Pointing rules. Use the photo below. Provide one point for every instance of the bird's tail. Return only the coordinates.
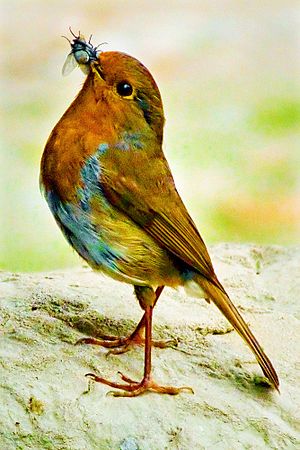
(225, 305)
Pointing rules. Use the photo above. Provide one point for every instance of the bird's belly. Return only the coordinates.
(112, 243)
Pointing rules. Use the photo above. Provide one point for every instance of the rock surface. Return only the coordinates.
(47, 403)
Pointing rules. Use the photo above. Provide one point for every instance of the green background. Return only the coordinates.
(228, 72)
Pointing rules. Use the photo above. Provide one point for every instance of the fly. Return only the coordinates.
(82, 54)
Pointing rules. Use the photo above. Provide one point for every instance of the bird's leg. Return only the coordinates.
(131, 388)
(123, 344)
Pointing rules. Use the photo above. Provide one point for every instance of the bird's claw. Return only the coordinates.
(118, 346)
(133, 388)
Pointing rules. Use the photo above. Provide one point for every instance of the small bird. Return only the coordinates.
(109, 186)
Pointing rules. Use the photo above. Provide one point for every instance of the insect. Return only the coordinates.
(82, 53)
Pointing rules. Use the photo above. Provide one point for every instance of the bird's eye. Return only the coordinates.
(124, 89)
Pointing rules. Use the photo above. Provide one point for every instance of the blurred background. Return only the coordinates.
(228, 72)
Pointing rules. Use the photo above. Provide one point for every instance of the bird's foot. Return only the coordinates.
(133, 388)
(123, 345)
(130, 343)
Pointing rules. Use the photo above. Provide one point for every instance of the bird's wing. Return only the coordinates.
(145, 191)
(150, 199)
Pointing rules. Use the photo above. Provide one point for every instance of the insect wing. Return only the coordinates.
(69, 65)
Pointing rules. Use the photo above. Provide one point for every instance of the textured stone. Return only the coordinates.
(47, 403)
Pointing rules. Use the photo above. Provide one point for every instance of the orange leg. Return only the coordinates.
(133, 388)
(123, 344)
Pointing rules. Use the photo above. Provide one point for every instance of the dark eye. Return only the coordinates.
(124, 89)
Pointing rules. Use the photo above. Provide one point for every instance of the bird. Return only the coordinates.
(110, 189)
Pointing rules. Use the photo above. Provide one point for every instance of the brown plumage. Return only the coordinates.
(111, 191)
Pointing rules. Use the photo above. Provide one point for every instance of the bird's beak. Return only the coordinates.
(96, 68)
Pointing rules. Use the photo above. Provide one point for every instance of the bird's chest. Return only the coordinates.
(83, 215)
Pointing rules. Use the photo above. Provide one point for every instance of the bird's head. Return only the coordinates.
(121, 84)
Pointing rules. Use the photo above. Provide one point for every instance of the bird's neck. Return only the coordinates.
(100, 113)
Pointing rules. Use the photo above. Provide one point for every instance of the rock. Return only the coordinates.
(48, 403)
